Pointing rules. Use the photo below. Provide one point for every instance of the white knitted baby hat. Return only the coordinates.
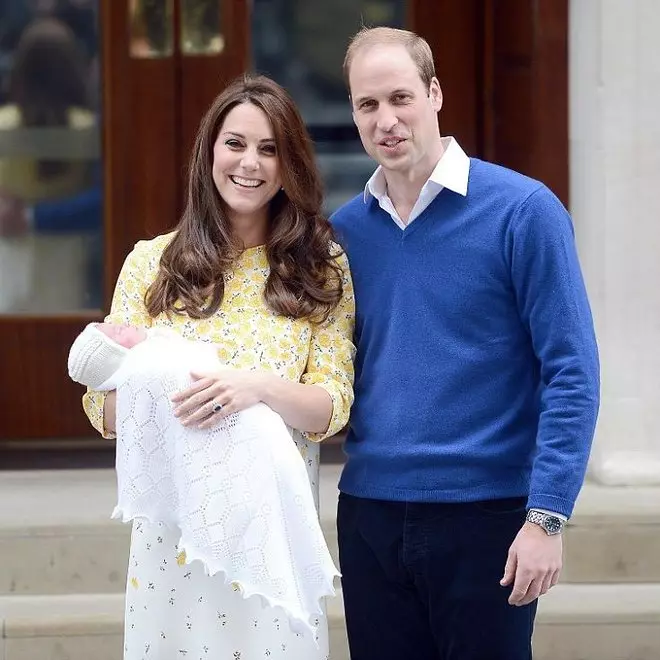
(94, 357)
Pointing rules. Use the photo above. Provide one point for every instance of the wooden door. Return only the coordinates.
(156, 76)
(159, 63)
(503, 68)
(525, 92)
(454, 31)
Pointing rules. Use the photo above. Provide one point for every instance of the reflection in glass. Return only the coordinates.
(51, 256)
(201, 27)
(150, 24)
(301, 44)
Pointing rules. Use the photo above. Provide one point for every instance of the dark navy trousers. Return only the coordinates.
(421, 581)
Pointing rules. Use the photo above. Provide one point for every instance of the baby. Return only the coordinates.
(101, 348)
(238, 493)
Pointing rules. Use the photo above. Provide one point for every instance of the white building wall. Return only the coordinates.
(614, 74)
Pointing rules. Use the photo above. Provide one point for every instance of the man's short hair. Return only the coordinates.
(417, 47)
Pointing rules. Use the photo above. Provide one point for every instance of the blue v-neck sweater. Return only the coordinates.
(477, 370)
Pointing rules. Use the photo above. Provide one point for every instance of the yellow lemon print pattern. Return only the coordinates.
(247, 333)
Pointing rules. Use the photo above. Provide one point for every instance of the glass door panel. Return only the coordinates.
(301, 45)
(88, 165)
(51, 225)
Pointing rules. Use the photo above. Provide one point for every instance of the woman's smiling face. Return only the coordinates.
(246, 168)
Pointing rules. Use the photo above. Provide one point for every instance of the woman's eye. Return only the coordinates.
(233, 144)
(269, 149)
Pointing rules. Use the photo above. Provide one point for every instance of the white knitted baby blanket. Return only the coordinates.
(239, 493)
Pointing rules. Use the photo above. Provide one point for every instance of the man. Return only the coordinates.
(477, 380)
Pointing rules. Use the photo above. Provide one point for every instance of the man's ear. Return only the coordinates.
(353, 111)
(350, 102)
(435, 94)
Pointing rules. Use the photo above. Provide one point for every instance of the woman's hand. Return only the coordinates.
(214, 395)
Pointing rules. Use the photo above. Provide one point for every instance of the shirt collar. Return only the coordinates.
(452, 171)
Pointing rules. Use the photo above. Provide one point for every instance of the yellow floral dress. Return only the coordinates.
(173, 609)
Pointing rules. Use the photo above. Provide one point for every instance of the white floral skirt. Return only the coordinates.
(175, 611)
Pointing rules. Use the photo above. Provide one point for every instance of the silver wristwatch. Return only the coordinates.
(550, 524)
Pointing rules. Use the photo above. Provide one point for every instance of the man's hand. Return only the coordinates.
(13, 219)
(533, 565)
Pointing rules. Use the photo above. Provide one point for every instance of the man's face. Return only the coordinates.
(395, 113)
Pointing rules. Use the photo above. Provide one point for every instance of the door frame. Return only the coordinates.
(503, 66)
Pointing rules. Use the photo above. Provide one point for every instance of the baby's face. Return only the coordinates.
(125, 335)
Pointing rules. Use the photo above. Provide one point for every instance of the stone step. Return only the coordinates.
(614, 536)
(575, 622)
(70, 626)
(599, 622)
(56, 535)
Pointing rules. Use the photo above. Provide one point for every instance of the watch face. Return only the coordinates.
(552, 524)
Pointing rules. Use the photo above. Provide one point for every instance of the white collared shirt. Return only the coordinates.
(451, 172)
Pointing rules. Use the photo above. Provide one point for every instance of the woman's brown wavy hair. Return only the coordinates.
(305, 280)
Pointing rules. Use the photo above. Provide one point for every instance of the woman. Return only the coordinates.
(252, 267)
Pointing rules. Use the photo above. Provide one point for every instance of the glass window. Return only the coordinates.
(201, 27)
(301, 45)
(51, 253)
(150, 26)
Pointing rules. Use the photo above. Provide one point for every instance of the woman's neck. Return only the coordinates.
(251, 232)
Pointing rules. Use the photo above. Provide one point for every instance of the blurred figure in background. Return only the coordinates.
(50, 201)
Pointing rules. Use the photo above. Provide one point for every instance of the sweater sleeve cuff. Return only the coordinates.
(339, 416)
(544, 502)
(93, 404)
(561, 516)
